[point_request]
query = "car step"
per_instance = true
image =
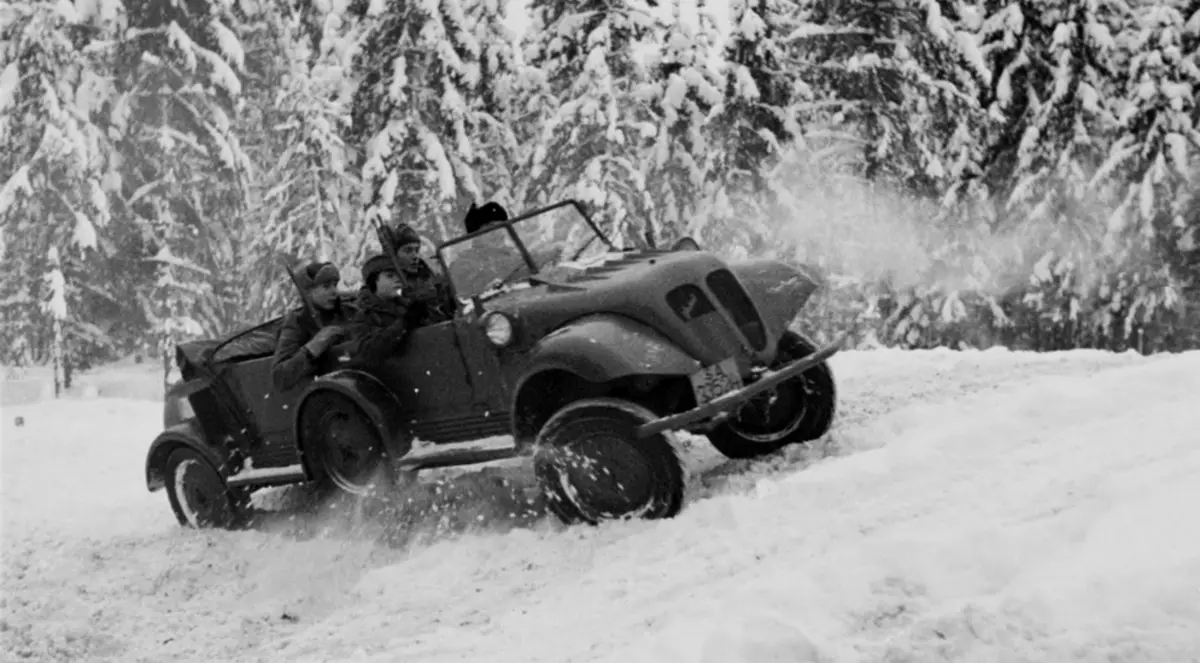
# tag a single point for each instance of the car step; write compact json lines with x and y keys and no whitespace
{"x":448,"y":455}
{"x":267,"y":476}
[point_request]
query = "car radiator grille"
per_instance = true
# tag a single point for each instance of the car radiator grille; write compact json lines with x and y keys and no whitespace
{"x":737,"y":302}
{"x":706,"y":325}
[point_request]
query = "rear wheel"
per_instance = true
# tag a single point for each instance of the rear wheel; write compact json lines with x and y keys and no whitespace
{"x":798,"y":410}
{"x":591,"y":467}
{"x":198,"y":494}
{"x":344,"y":446}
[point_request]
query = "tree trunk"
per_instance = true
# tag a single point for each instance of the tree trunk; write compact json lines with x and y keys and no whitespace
{"x":56,"y":351}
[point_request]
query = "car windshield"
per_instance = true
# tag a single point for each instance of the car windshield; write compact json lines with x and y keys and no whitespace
{"x":558,"y":236}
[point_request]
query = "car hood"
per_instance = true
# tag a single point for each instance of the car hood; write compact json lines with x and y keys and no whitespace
{"x":635,"y":284}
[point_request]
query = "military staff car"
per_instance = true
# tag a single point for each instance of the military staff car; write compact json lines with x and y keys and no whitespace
{"x":582,"y":356}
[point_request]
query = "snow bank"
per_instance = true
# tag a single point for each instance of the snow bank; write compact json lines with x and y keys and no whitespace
{"x":128,"y":381}
{"x":969,"y":506}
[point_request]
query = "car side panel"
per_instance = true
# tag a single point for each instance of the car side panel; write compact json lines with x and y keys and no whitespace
{"x":437,"y":394}
{"x":489,"y":385}
{"x":428,"y":374}
{"x":271,"y":412}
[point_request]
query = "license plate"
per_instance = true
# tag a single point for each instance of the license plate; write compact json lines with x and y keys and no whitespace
{"x":715,"y":381}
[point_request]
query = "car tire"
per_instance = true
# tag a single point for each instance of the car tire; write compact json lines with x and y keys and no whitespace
{"x":799,"y":410}
{"x":345,"y":445}
{"x":198,"y":494}
{"x":591,"y":467}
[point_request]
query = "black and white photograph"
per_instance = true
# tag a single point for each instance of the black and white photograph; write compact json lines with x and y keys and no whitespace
{"x":600,"y":331}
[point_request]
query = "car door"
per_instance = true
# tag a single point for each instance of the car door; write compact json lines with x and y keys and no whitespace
{"x":489,"y":383}
{"x":271,"y":411}
{"x":435,"y":387}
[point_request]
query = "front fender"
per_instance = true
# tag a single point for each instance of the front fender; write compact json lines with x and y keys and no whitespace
{"x":183,"y":435}
{"x":779,"y":290}
{"x":380,"y":404}
{"x":604,"y":347}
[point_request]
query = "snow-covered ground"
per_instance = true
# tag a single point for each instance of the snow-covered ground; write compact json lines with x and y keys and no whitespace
{"x":983,"y":506}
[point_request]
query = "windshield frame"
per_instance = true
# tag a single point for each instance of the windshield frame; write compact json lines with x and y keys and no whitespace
{"x":516,"y":237}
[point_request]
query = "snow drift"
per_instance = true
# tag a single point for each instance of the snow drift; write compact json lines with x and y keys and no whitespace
{"x":968,"y":506}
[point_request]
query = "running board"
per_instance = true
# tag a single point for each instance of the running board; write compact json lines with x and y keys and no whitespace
{"x":442,"y":455}
{"x":449,"y":455}
{"x":267,"y":476}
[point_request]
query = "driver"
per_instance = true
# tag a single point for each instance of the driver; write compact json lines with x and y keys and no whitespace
{"x":421,"y":286}
{"x":302,"y":338}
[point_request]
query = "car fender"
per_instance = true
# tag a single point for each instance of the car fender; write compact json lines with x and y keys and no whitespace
{"x":603,"y":347}
{"x":778,"y":289}
{"x":592,"y":349}
{"x":184,"y":435}
{"x":380,"y":404}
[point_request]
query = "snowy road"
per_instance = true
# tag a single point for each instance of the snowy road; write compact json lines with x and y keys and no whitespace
{"x":969,"y":506}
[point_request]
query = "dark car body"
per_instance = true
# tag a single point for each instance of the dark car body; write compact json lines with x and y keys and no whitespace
{"x":639,"y":324}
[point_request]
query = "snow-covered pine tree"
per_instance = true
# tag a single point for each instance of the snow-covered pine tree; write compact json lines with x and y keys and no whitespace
{"x":1186,"y":256}
{"x":52,"y":179}
{"x":1150,"y":163}
{"x":592,"y":125}
{"x":1064,"y":82}
{"x":753,"y":129}
{"x":303,"y":201}
{"x":495,"y":111}
{"x":755,"y":121}
{"x":891,"y":100}
{"x":684,"y":89}
{"x":904,"y":77}
{"x":418,"y":66}
{"x":1157,"y":136}
{"x":183,"y":173}
{"x":1056,"y":75}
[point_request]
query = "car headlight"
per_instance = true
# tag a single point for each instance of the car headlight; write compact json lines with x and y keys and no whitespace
{"x":499,"y":329}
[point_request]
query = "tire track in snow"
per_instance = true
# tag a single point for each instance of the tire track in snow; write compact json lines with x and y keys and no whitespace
{"x":328,"y":588}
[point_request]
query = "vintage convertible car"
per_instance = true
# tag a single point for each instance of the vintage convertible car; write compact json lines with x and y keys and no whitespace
{"x":585,"y":357}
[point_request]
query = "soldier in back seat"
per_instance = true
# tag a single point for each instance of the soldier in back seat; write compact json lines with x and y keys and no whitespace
{"x":302,"y":338}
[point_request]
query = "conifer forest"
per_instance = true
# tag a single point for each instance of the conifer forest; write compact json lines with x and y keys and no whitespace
{"x":961,"y":173}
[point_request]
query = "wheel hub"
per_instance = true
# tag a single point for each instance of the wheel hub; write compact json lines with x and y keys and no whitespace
{"x":194,"y":491}
{"x":350,"y":453}
{"x":771,"y":415}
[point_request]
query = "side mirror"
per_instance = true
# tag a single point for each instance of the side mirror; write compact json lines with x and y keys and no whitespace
{"x":685,"y":244}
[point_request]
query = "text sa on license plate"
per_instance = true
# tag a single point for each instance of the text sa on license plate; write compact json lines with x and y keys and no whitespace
{"x":715,"y":381}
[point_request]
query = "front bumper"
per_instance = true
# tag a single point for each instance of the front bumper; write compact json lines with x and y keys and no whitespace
{"x":734,"y":399}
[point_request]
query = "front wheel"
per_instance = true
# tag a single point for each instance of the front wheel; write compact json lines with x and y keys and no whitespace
{"x":796,"y":411}
{"x":591,"y":467}
{"x":198,"y":494}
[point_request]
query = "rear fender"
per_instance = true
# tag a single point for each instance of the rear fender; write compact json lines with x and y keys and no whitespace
{"x":380,"y":404}
{"x":778,"y":289}
{"x":186,"y":435}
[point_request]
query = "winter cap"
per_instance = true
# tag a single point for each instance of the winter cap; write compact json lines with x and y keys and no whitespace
{"x":478,"y":217}
{"x":319,"y":273}
{"x":375,"y":265}
{"x":404,"y":234}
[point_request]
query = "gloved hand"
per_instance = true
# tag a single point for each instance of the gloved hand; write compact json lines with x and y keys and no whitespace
{"x":326,"y":337}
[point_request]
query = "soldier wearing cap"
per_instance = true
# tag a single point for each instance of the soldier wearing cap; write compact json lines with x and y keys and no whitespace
{"x":390,"y":304}
{"x":302,"y":338}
